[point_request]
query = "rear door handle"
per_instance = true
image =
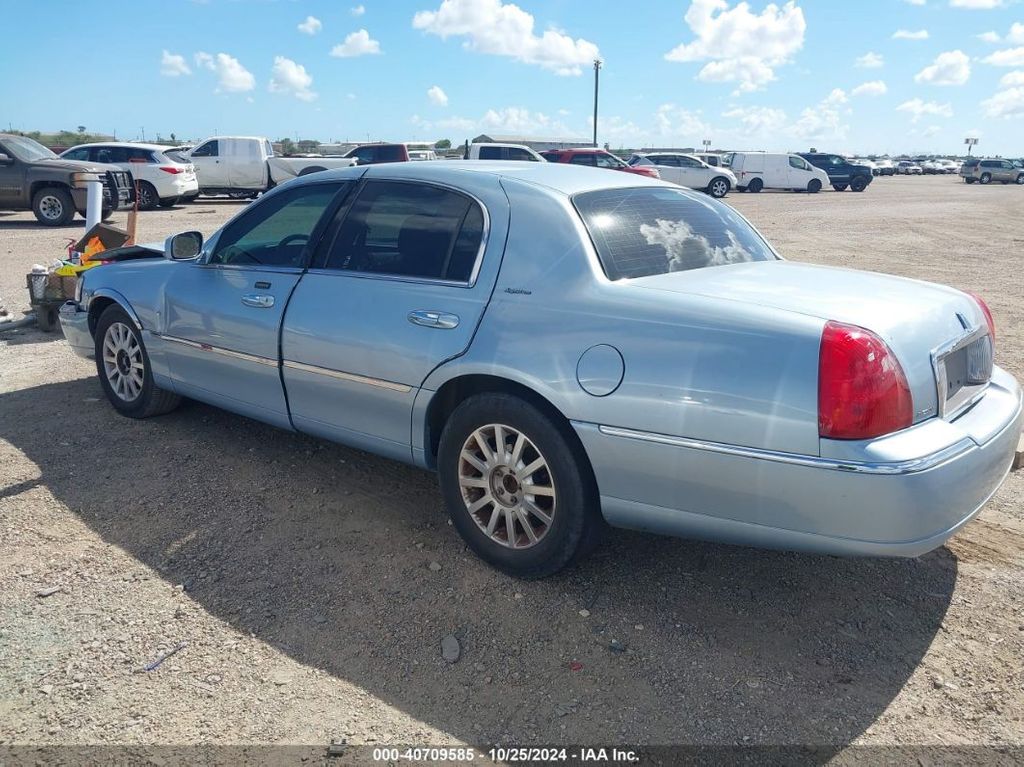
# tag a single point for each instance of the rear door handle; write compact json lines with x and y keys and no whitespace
{"x":258,"y":300}
{"x":431,"y":319}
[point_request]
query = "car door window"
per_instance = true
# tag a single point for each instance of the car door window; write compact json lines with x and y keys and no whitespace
{"x":77,"y":154}
{"x":409,"y":230}
{"x":688,"y":162}
{"x":490,"y":153}
{"x":665,"y":160}
{"x":514,"y":153}
{"x":276,"y":231}
{"x":582,"y":159}
{"x":796,"y":162}
{"x":365,"y":155}
{"x":608,"y":161}
{"x":209,"y":149}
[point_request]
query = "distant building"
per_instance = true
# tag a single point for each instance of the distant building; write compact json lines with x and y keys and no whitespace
{"x":535,"y":143}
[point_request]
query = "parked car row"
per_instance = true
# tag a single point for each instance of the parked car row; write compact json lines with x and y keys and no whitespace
{"x":985,"y":171}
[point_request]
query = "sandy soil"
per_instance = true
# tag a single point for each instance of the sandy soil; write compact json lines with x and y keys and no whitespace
{"x":311,"y":585}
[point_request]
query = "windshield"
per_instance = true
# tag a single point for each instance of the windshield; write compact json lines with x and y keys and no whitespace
{"x":27,"y":150}
{"x":646,"y":231}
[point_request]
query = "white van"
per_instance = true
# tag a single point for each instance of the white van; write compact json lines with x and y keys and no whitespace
{"x":755,"y":171}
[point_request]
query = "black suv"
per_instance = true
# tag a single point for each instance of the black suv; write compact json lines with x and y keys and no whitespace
{"x":841,"y":172}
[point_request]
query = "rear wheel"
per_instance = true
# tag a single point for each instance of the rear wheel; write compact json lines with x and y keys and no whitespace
{"x":859,"y":184}
{"x":517,"y":486}
{"x":839,"y":187}
{"x":148,"y":198}
{"x":53,"y":206}
{"x":123,"y":366}
{"x":1020,"y":179}
{"x":756,"y":185}
{"x":814,"y":186}
{"x":969,"y":180}
{"x":719,"y":187}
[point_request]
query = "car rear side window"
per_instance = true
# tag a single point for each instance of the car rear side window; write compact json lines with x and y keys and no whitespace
{"x":409,"y":230}
{"x":490,"y":153}
{"x":647,"y":231}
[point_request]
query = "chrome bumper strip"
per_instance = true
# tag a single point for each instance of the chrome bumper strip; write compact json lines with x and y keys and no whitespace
{"x":909,"y":466}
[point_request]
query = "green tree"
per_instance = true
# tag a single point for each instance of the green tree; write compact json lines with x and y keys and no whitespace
{"x":287,"y":146}
{"x":443,"y":144}
{"x":81,"y":129}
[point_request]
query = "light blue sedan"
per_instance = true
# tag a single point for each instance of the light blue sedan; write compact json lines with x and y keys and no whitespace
{"x":569,"y":347}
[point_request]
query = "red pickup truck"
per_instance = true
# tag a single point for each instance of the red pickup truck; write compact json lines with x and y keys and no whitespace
{"x":597,"y":158}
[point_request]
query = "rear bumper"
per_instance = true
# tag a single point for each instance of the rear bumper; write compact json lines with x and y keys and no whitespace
{"x":905,"y":505}
{"x":75,"y":325}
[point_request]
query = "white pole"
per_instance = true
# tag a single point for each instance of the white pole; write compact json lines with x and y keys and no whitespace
{"x":93,"y":203}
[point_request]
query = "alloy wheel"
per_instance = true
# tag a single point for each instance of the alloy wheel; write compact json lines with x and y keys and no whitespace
{"x":123,"y":363}
{"x":506,"y":486}
{"x":51,"y":207}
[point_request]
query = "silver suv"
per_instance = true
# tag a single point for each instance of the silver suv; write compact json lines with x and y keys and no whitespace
{"x":987,"y":171}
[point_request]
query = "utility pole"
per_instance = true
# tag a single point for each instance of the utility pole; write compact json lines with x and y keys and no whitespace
{"x":597,"y":77}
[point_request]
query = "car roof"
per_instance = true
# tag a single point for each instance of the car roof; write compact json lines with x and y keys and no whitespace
{"x":563,"y":178}
{"x":129,"y":144}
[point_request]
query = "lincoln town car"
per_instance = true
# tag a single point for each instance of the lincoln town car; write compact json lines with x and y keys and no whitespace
{"x":570,"y":350}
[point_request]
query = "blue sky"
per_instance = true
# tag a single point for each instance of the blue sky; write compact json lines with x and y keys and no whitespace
{"x":857,"y":76}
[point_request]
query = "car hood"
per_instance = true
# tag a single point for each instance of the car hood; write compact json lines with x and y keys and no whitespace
{"x":59,"y":163}
{"x":913,"y":317}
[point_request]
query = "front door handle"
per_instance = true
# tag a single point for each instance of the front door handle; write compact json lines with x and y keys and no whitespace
{"x":431,"y":319}
{"x":258,"y":300}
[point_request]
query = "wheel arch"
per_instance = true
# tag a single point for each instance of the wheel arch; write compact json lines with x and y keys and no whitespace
{"x":40,"y":184}
{"x":105,"y":297}
{"x":457,"y":389}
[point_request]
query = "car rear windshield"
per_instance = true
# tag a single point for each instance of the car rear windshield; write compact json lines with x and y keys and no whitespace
{"x":645,"y":231}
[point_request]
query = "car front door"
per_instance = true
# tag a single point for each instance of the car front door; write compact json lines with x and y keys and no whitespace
{"x":397,"y":291}
{"x":799,"y":172}
{"x":12,"y":180}
{"x":838,"y":170}
{"x":692,"y":173}
{"x":222,"y":313}
{"x":210,"y":170}
{"x":668,"y":167}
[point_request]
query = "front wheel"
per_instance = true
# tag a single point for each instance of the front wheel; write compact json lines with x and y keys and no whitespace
{"x":719,"y":187}
{"x":518,"y":486}
{"x":123,"y":366}
{"x":859,"y":184}
{"x":814,"y":186}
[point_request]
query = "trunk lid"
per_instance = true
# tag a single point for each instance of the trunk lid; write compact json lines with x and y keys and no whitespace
{"x":916,"y":319}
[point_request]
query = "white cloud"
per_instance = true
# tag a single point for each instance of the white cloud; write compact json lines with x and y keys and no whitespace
{"x":741,"y":46}
{"x":1008,"y":104}
{"x":437,"y":96}
{"x":173,"y":65}
{"x":931,"y":130}
{"x":310,"y":26}
{"x":949,"y":68}
{"x":915,"y":2}
{"x":823,"y":122}
{"x":358,"y":43}
{"x":1008,"y":57}
{"x":456,"y":123}
{"x":1014,"y":37}
{"x":758,"y":120}
{"x":871,"y":88}
{"x":292,"y":78}
{"x":918,"y":108}
{"x":231,"y":75}
{"x":357,"y":10}
{"x":1013,"y":79}
{"x":989,"y":37}
{"x":519,"y":120}
{"x":672,"y":120}
{"x":870,"y":60}
{"x":977,"y":5}
{"x":505,"y":29}
{"x":906,"y":34}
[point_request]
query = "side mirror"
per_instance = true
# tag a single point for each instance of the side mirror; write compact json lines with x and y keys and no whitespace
{"x":6,"y":159}
{"x":183,"y":246}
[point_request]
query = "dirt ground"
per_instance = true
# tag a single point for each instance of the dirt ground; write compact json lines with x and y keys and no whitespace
{"x":309,"y":586}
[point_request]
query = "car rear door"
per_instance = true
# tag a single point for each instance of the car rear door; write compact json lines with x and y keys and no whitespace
{"x":247,"y":168}
{"x":398,"y":289}
{"x":221,"y":314}
{"x":668,"y":167}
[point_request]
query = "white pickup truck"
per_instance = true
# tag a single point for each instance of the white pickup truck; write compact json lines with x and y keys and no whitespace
{"x":244,"y":166}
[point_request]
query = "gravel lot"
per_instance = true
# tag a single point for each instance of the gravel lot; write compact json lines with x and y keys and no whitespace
{"x":312,"y":585}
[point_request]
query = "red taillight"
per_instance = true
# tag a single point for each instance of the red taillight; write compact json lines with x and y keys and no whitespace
{"x":862,"y":392}
{"x":988,"y":315}
{"x":172,"y":169}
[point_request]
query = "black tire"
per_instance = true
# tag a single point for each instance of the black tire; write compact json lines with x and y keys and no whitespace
{"x":576,"y":522}
{"x":107,"y":213}
{"x":148,"y":197}
{"x":986,"y":178}
{"x":839,"y":187}
{"x":969,"y":180}
{"x":150,"y":400}
{"x":46,"y":318}
{"x":53,"y":206}
{"x":169,"y":202}
{"x":719,"y":187}
{"x":813,"y":186}
{"x":755,"y":185}
{"x":858,"y":183}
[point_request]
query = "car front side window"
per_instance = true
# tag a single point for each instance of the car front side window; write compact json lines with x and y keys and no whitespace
{"x":407,"y":229}
{"x":209,"y":149}
{"x":276,"y":231}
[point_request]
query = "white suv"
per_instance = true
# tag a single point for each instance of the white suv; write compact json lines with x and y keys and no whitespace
{"x":162,"y":179}
{"x":687,"y":170}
